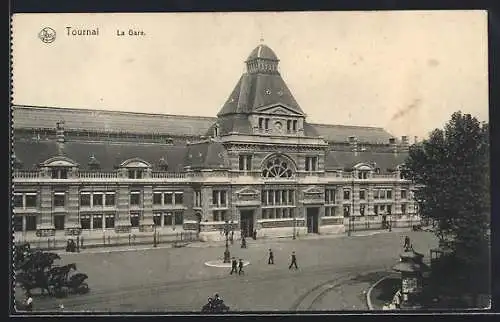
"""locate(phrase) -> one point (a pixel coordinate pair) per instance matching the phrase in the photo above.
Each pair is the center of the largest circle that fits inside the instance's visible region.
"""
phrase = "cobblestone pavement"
(332, 274)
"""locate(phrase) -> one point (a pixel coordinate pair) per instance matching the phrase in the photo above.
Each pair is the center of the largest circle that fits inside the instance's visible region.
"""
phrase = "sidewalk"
(250, 242)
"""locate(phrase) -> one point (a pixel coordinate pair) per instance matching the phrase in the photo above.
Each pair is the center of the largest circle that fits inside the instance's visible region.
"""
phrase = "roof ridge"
(113, 111)
(347, 126)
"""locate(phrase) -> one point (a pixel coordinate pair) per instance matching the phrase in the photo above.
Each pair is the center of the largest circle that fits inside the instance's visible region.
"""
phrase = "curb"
(369, 292)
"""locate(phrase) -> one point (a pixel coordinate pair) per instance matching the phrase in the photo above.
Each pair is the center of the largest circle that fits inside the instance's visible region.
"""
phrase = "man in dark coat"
(234, 266)
(407, 243)
(271, 257)
(240, 266)
(293, 262)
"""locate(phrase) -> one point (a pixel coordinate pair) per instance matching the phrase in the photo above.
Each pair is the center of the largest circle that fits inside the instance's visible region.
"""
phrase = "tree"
(451, 171)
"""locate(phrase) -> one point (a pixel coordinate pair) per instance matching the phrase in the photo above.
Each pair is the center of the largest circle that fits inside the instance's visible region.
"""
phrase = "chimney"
(392, 143)
(353, 142)
(60, 137)
(60, 132)
(415, 139)
(404, 143)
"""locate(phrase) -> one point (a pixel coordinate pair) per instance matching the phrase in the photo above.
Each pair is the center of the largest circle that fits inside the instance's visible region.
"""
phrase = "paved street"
(333, 274)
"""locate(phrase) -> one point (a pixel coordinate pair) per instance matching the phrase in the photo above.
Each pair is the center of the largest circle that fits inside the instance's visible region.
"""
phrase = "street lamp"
(227, 254)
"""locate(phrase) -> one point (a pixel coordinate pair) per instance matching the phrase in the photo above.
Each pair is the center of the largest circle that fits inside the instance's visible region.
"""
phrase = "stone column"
(147, 214)
(72, 225)
(45, 221)
(369, 209)
(122, 201)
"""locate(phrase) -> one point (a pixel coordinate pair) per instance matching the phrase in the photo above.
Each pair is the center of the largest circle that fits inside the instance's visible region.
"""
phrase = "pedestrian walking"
(293, 262)
(234, 266)
(271, 257)
(406, 243)
(243, 242)
(240, 266)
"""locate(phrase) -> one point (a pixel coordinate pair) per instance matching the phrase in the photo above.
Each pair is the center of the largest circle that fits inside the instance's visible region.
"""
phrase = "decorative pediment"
(363, 167)
(247, 192)
(135, 163)
(59, 161)
(278, 109)
(313, 191)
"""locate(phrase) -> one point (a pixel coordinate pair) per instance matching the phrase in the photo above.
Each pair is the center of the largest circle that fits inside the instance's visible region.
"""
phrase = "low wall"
(280, 232)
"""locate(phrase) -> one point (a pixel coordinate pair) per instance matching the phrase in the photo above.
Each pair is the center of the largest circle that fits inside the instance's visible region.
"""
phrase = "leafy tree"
(451, 171)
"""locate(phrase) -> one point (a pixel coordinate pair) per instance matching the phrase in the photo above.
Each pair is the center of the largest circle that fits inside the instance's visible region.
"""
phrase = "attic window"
(59, 173)
(135, 173)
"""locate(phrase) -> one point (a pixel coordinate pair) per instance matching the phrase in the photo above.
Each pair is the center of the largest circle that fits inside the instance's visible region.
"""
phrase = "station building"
(258, 165)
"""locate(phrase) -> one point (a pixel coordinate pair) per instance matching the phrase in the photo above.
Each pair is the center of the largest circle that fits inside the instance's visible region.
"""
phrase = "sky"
(404, 71)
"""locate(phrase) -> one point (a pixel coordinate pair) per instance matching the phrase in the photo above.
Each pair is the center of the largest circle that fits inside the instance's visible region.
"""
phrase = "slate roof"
(264, 52)
(341, 133)
(99, 120)
(107, 154)
(385, 161)
(257, 90)
(206, 155)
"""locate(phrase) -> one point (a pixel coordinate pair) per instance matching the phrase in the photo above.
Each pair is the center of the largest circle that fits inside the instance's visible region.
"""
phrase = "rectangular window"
(110, 199)
(347, 211)
(179, 218)
(85, 222)
(375, 209)
(18, 223)
(347, 194)
(284, 197)
(59, 199)
(242, 162)
(291, 197)
(63, 174)
(267, 124)
(179, 198)
(261, 123)
(18, 200)
(85, 199)
(294, 127)
(263, 198)
(362, 194)
(54, 174)
(131, 174)
(389, 209)
(97, 199)
(197, 198)
(157, 219)
(30, 223)
(311, 163)
(135, 198)
(168, 198)
(403, 193)
(110, 221)
(134, 220)
(376, 193)
(403, 210)
(97, 221)
(389, 194)
(167, 219)
(222, 198)
(289, 125)
(31, 200)
(362, 210)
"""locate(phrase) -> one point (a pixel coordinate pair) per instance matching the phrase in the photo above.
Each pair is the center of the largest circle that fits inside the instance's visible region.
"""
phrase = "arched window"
(277, 167)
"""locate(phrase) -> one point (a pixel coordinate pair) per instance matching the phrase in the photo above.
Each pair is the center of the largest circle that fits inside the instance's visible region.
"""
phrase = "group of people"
(215, 305)
(237, 266)
(293, 260)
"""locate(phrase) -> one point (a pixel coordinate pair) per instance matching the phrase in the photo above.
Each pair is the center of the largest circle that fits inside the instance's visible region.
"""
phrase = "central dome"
(263, 52)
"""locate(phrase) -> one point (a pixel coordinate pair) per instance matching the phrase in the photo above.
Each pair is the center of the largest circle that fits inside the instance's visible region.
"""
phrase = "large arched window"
(277, 167)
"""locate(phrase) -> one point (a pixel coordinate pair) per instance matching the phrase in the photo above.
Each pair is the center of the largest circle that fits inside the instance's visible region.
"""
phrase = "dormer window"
(59, 173)
(362, 174)
(135, 173)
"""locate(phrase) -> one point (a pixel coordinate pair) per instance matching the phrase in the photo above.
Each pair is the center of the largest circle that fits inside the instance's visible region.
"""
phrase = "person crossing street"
(271, 257)
(293, 262)
(240, 267)
(234, 266)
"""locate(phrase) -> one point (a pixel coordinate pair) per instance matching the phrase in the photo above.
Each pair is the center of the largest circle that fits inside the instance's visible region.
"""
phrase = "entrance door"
(312, 220)
(246, 222)
(59, 222)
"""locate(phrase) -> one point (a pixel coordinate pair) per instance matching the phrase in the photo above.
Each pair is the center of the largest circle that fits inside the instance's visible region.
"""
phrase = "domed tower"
(261, 103)
(262, 60)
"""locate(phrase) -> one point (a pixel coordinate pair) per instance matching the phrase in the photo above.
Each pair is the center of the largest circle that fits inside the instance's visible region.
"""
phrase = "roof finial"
(261, 37)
